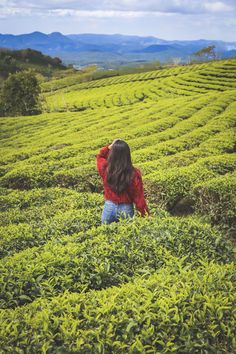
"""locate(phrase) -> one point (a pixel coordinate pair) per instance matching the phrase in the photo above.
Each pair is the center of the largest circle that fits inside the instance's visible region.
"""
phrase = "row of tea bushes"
(67, 81)
(220, 143)
(51, 200)
(51, 169)
(221, 123)
(217, 199)
(178, 109)
(129, 89)
(142, 131)
(84, 119)
(31, 218)
(203, 80)
(64, 135)
(71, 83)
(41, 228)
(26, 177)
(169, 187)
(177, 310)
(106, 256)
(64, 197)
(193, 115)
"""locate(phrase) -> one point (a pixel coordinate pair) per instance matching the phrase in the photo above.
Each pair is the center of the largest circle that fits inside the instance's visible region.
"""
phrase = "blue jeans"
(112, 212)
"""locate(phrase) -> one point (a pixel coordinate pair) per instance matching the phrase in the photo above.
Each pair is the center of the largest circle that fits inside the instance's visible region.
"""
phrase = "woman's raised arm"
(102, 159)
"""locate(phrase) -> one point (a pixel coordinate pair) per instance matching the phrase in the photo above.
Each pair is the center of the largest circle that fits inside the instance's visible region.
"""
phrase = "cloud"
(109, 8)
(217, 6)
(103, 14)
(14, 11)
(169, 19)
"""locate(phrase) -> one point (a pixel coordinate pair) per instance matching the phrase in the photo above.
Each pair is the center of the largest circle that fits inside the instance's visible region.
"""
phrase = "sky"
(166, 19)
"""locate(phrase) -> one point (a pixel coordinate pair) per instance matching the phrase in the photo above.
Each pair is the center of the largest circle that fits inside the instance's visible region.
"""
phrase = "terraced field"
(150, 285)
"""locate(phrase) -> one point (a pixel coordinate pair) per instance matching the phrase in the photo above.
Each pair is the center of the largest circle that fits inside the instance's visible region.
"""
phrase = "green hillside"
(12, 61)
(149, 285)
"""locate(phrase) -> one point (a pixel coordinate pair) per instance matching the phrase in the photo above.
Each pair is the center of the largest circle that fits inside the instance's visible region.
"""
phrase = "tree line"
(12, 61)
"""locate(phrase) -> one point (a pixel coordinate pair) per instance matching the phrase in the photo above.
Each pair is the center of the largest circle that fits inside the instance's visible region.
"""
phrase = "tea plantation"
(161, 284)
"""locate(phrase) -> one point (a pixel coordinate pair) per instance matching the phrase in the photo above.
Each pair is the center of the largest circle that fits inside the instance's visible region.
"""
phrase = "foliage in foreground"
(177, 310)
(106, 256)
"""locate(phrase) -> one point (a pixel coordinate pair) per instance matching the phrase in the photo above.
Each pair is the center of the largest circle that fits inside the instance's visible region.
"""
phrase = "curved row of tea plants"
(32, 218)
(176, 310)
(106, 256)
(129, 89)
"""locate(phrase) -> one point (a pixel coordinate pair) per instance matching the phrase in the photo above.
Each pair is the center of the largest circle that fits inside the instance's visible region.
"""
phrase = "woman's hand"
(110, 146)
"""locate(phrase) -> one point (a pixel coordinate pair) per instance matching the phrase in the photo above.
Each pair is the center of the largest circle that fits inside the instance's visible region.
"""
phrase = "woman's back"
(133, 193)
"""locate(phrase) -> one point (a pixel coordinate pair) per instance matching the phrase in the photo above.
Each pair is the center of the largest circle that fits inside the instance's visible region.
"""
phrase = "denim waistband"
(111, 201)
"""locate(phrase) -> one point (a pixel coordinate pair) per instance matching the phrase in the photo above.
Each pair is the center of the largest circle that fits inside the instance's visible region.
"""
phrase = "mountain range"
(109, 50)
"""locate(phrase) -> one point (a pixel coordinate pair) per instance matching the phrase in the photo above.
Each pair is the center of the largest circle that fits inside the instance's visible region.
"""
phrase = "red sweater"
(134, 193)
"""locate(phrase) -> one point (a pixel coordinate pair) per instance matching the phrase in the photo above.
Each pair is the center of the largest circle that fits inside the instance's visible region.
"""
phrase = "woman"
(122, 182)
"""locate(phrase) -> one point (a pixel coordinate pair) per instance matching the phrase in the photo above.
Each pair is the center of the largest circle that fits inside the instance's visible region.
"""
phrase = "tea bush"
(168, 188)
(106, 256)
(217, 198)
(176, 310)
(31, 218)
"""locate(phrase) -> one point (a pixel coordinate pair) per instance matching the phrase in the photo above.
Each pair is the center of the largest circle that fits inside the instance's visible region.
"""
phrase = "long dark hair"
(119, 167)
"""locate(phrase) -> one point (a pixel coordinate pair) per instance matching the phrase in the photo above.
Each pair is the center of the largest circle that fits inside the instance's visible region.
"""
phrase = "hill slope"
(12, 61)
(159, 284)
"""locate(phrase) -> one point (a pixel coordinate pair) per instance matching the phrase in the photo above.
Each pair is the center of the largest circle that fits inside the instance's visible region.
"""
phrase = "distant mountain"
(231, 53)
(37, 40)
(155, 48)
(100, 48)
(118, 39)
(77, 42)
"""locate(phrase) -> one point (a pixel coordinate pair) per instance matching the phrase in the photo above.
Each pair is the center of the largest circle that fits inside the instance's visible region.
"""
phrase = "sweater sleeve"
(102, 159)
(138, 195)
